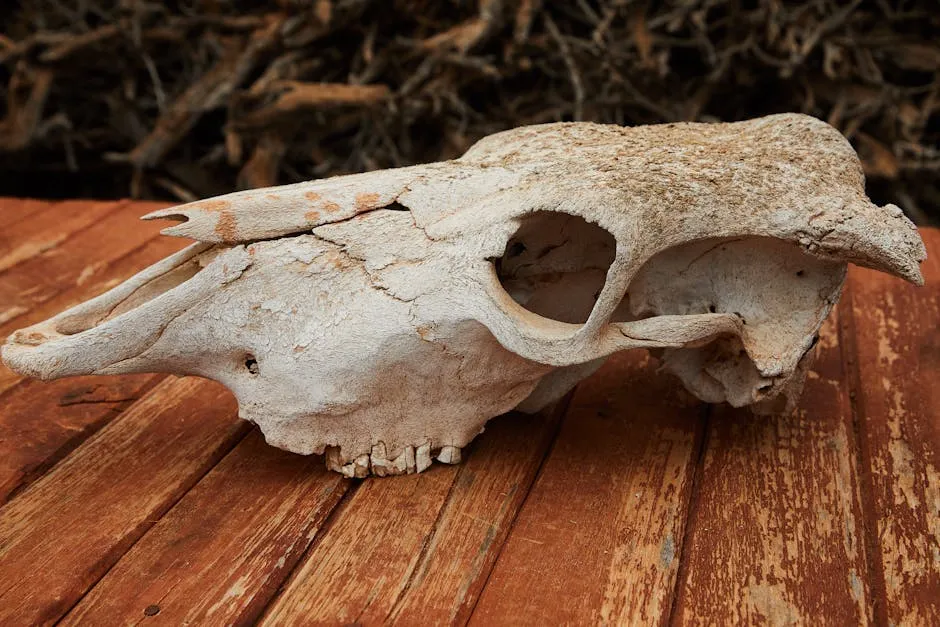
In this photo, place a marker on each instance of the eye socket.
(555, 265)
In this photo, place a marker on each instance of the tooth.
(358, 468)
(407, 460)
(334, 459)
(423, 457)
(449, 455)
(381, 466)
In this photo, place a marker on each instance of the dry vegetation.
(191, 98)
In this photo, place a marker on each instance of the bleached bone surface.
(383, 318)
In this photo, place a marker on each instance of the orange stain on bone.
(330, 207)
(227, 227)
(312, 216)
(312, 196)
(367, 201)
(213, 205)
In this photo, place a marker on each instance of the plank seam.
(561, 413)
(73, 443)
(421, 563)
(119, 205)
(328, 523)
(848, 339)
(150, 522)
(698, 472)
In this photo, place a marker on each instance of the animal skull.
(383, 318)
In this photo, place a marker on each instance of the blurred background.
(187, 99)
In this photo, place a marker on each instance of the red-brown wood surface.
(221, 552)
(601, 531)
(897, 364)
(61, 534)
(139, 499)
(777, 530)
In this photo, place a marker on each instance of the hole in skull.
(251, 364)
(555, 265)
(515, 249)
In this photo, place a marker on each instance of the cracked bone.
(383, 318)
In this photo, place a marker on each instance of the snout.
(103, 334)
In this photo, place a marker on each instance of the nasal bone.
(111, 333)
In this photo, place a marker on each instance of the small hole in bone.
(515, 249)
(251, 364)
(800, 272)
(712, 308)
(555, 265)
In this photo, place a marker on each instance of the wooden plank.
(598, 538)
(219, 555)
(777, 533)
(418, 549)
(41, 422)
(15, 210)
(61, 534)
(46, 230)
(26, 239)
(898, 404)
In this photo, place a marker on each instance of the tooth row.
(410, 460)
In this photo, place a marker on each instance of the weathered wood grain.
(41, 422)
(45, 230)
(61, 534)
(597, 541)
(897, 389)
(32, 235)
(474, 522)
(219, 555)
(15, 210)
(418, 549)
(777, 534)
(365, 559)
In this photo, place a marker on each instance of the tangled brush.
(193, 98)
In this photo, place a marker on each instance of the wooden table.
(144, 498)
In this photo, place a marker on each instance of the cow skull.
(383, 318)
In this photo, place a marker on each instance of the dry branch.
(350, 85)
